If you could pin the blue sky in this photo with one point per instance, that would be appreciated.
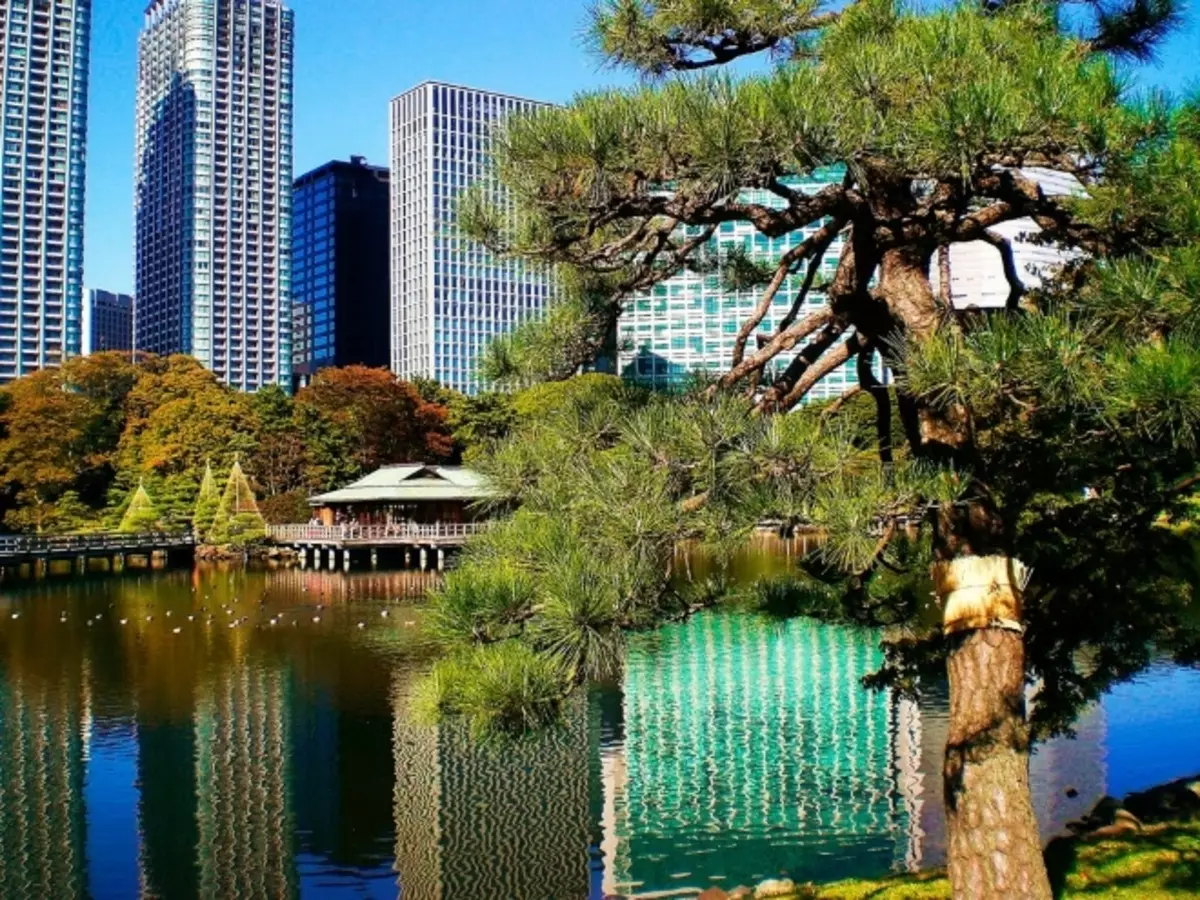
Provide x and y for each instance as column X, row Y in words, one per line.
column 352, row 56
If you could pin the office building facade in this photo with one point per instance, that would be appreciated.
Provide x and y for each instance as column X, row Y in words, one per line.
column 340, row 308
column 44, row 48
column 450, row 297
column 214, row 186
column 110, row 322
column 686, row 326
column 976, row 271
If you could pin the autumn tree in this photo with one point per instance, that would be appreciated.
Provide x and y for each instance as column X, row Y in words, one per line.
column 1076, row 408
column 356, row 419
column 60, row 430
column 180, row 416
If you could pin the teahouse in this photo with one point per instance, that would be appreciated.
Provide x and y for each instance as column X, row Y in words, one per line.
column 405, row 494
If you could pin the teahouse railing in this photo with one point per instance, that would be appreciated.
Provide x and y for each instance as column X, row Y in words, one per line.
column 406, row 532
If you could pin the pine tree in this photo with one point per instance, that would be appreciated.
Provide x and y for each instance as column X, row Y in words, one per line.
column 237, row 521
column 207, row 502
column 140, row 515
column 1046, row 436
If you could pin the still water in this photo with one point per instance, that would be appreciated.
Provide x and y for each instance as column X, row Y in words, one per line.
column 222, row 733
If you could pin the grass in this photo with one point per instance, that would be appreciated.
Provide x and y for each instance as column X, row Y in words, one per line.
column 1162, row 862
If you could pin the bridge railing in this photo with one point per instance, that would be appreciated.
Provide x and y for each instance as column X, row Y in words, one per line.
column 382, row 534
column 40, row 545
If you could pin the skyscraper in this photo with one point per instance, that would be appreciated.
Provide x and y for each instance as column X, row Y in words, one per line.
column 449, row 295
column 110, row 321
column 44, row 48
column 340, row 267
column 214, row 186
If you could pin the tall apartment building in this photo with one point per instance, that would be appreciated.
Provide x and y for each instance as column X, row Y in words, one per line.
column 449, row 295
column 687, row 324
column 110, row 321
column 214, row 186
column 341, row 300
column 44, row 48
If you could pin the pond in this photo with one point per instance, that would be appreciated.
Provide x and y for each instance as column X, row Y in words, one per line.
column 222, row 733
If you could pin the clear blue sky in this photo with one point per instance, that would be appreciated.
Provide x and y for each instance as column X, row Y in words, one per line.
column 352, row 57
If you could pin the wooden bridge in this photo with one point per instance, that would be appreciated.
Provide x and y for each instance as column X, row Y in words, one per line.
column 39, row 551
column 419, row 543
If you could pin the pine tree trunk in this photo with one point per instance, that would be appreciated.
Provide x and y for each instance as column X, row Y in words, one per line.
column 994, row 849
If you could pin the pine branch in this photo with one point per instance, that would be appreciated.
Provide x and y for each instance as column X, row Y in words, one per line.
column 812, row 248
column 832, row 360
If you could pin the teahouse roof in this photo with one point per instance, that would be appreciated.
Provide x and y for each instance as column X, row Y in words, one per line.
column 410, row 484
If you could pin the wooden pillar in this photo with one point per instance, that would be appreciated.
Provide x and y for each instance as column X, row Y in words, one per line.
column 441, row 559
column 424, row 559
column 118, row 562
column 41, row 567
column 303, row 557
column 374, row 558
column 331, row 558
column 81, row 564
column 346, row 559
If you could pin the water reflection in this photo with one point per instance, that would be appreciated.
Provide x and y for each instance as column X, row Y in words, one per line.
column 750, row 750
column 492, row 821
column 224, row 733
column 42, row 754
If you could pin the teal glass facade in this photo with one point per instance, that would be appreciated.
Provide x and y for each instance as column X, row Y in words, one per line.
column 687, row 325
column 44, row 49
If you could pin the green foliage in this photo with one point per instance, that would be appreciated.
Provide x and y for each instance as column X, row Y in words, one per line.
column 481, row 603
column 286, row 509
column 479, row 421
column 140, row 514
column 498, row 688
column 237, row 522
column 207, row 500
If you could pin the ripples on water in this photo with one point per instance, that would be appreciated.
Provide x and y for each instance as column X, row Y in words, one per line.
column 260, row 753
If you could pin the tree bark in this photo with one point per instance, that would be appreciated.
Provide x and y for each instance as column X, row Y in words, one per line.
column 994, row 848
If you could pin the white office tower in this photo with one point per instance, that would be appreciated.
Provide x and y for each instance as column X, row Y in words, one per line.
column 976, row 271
column 44, row 47
column 214, row 186
column 450, row 297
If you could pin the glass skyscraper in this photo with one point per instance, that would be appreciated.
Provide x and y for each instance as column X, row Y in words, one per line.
column 214, row 186
column 110, row 321
column 340, row 290
column 44, row 46
column 687, row 324
column 449, row 295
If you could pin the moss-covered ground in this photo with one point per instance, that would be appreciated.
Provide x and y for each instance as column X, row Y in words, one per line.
column 1161, row 862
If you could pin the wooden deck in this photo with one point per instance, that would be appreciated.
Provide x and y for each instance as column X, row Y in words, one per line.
column 366, row 537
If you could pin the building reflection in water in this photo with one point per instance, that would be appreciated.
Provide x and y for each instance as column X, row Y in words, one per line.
column 43, row 729
column 478, row 820
column 750, row 750
column 243, row 786
column 269, row 761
